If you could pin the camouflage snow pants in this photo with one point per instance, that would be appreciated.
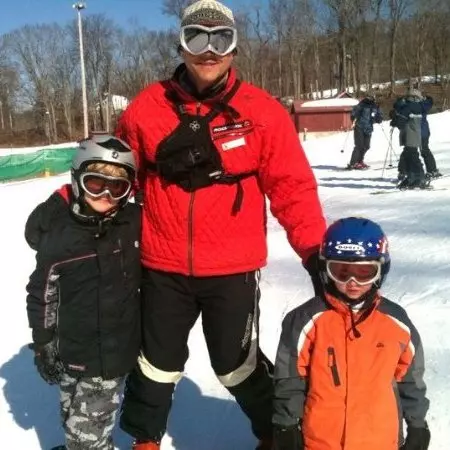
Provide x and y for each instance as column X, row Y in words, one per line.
column 88, row 411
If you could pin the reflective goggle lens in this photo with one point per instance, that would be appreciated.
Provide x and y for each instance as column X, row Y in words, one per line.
column 197, row 39
column 97, row 184
column 365, row 272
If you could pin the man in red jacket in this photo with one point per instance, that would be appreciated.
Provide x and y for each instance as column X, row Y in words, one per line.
column 209, row 148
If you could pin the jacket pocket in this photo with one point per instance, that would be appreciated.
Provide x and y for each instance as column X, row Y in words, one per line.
column 333, row 366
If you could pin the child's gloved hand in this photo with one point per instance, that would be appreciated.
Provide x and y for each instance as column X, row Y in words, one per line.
column 48, row 363
column 312, row 267
column 417, row 439
column 289, row 438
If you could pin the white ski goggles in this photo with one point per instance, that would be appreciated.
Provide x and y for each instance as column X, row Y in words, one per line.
column 361, row 272
column 198, row 39
column 97, row 184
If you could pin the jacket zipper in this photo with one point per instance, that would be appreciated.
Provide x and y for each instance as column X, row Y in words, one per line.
column 121, row 255
column 99, row 337
column 191, row 234
column 333, row 366
column 191, row 221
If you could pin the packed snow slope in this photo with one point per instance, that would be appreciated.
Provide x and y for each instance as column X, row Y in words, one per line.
column 204, row 417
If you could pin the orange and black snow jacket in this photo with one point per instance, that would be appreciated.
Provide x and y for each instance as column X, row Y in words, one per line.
column 194, row 233
column 348, row 392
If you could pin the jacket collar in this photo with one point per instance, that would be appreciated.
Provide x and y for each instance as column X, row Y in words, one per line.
column 353, row 318
column 187, row 92
column 344, row 308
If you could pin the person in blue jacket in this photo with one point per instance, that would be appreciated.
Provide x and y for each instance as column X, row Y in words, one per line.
column 410, row 116
column 363, row 116
column 428, row 158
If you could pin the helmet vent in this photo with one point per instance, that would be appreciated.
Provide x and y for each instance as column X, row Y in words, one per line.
column 113, row 144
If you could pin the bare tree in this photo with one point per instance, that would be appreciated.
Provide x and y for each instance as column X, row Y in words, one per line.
column 397, row 9
column 9, row 84
column 100, row 39
column 35, row 49
column 344, row 14
column 134, row 66
column 375, row 6
column 175, row 7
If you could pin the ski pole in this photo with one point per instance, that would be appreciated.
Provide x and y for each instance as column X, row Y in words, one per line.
column 345, row 140
column 390, row 146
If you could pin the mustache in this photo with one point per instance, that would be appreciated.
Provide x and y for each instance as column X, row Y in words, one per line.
column 208, row 56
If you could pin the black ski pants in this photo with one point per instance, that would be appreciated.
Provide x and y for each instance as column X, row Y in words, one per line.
column 410, row 165
column 171, row 304
column 428, row 158
column 362, row 144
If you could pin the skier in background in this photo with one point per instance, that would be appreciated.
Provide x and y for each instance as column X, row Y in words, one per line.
column 363, row 116
column 414, row 103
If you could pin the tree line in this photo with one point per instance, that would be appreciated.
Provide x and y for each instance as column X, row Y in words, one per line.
column 289, row 47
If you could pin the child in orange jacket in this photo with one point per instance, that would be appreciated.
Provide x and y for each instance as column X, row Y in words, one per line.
column 350, row 363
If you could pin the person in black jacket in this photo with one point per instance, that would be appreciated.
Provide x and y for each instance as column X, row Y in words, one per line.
column 83, row 299
column 414, row 101
column 363, row 116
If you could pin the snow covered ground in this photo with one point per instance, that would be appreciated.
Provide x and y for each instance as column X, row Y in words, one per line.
column 204, row 417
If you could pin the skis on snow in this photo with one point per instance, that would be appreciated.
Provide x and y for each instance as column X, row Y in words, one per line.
column 397, row 190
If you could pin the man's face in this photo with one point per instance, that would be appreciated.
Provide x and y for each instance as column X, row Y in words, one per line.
column 206, row 69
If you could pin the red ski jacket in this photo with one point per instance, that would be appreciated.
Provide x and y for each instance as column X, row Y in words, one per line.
column 195, row 233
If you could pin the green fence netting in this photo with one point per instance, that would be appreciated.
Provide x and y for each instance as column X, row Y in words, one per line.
column 36, row 164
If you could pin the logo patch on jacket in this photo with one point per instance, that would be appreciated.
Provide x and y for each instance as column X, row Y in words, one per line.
column 232, row 129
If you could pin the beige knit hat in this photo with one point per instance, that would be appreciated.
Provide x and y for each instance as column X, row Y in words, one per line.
column 208, row 12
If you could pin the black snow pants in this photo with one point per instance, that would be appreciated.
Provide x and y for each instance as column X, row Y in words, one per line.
column 171, row 304
column 410, row 166
column 362, row 144
column 428, row 158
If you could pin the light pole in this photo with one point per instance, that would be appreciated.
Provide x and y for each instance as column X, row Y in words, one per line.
column 79, row 6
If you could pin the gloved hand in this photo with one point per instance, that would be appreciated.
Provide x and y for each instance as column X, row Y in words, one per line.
column 312, row 267
column 48, row 363
column 289, row 438
column 417, row 439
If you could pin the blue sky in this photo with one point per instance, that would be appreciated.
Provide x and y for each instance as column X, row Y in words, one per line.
column 16, row 13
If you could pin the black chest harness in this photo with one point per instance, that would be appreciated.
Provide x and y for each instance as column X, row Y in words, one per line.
column 189, row 158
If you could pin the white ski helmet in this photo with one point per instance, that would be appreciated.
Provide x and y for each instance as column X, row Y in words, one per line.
column 101, row 149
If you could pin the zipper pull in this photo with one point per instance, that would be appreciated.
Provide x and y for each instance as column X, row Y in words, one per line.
column 333, row 366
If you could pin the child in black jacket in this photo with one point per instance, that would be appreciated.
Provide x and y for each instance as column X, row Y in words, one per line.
column 83, row 297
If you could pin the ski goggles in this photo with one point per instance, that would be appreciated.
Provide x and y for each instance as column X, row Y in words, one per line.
column 197, row 39
column 361, row 272
column 97, row 184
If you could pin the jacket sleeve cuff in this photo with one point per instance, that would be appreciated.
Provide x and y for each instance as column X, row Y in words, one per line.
column 416, row 423
column 307, row 253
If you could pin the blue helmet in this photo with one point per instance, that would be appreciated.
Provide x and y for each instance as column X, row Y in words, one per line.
column 356, row 239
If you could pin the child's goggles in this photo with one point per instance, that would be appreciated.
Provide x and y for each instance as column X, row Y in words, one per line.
column 362, row 272
column 197, row 39
column 97, row 184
